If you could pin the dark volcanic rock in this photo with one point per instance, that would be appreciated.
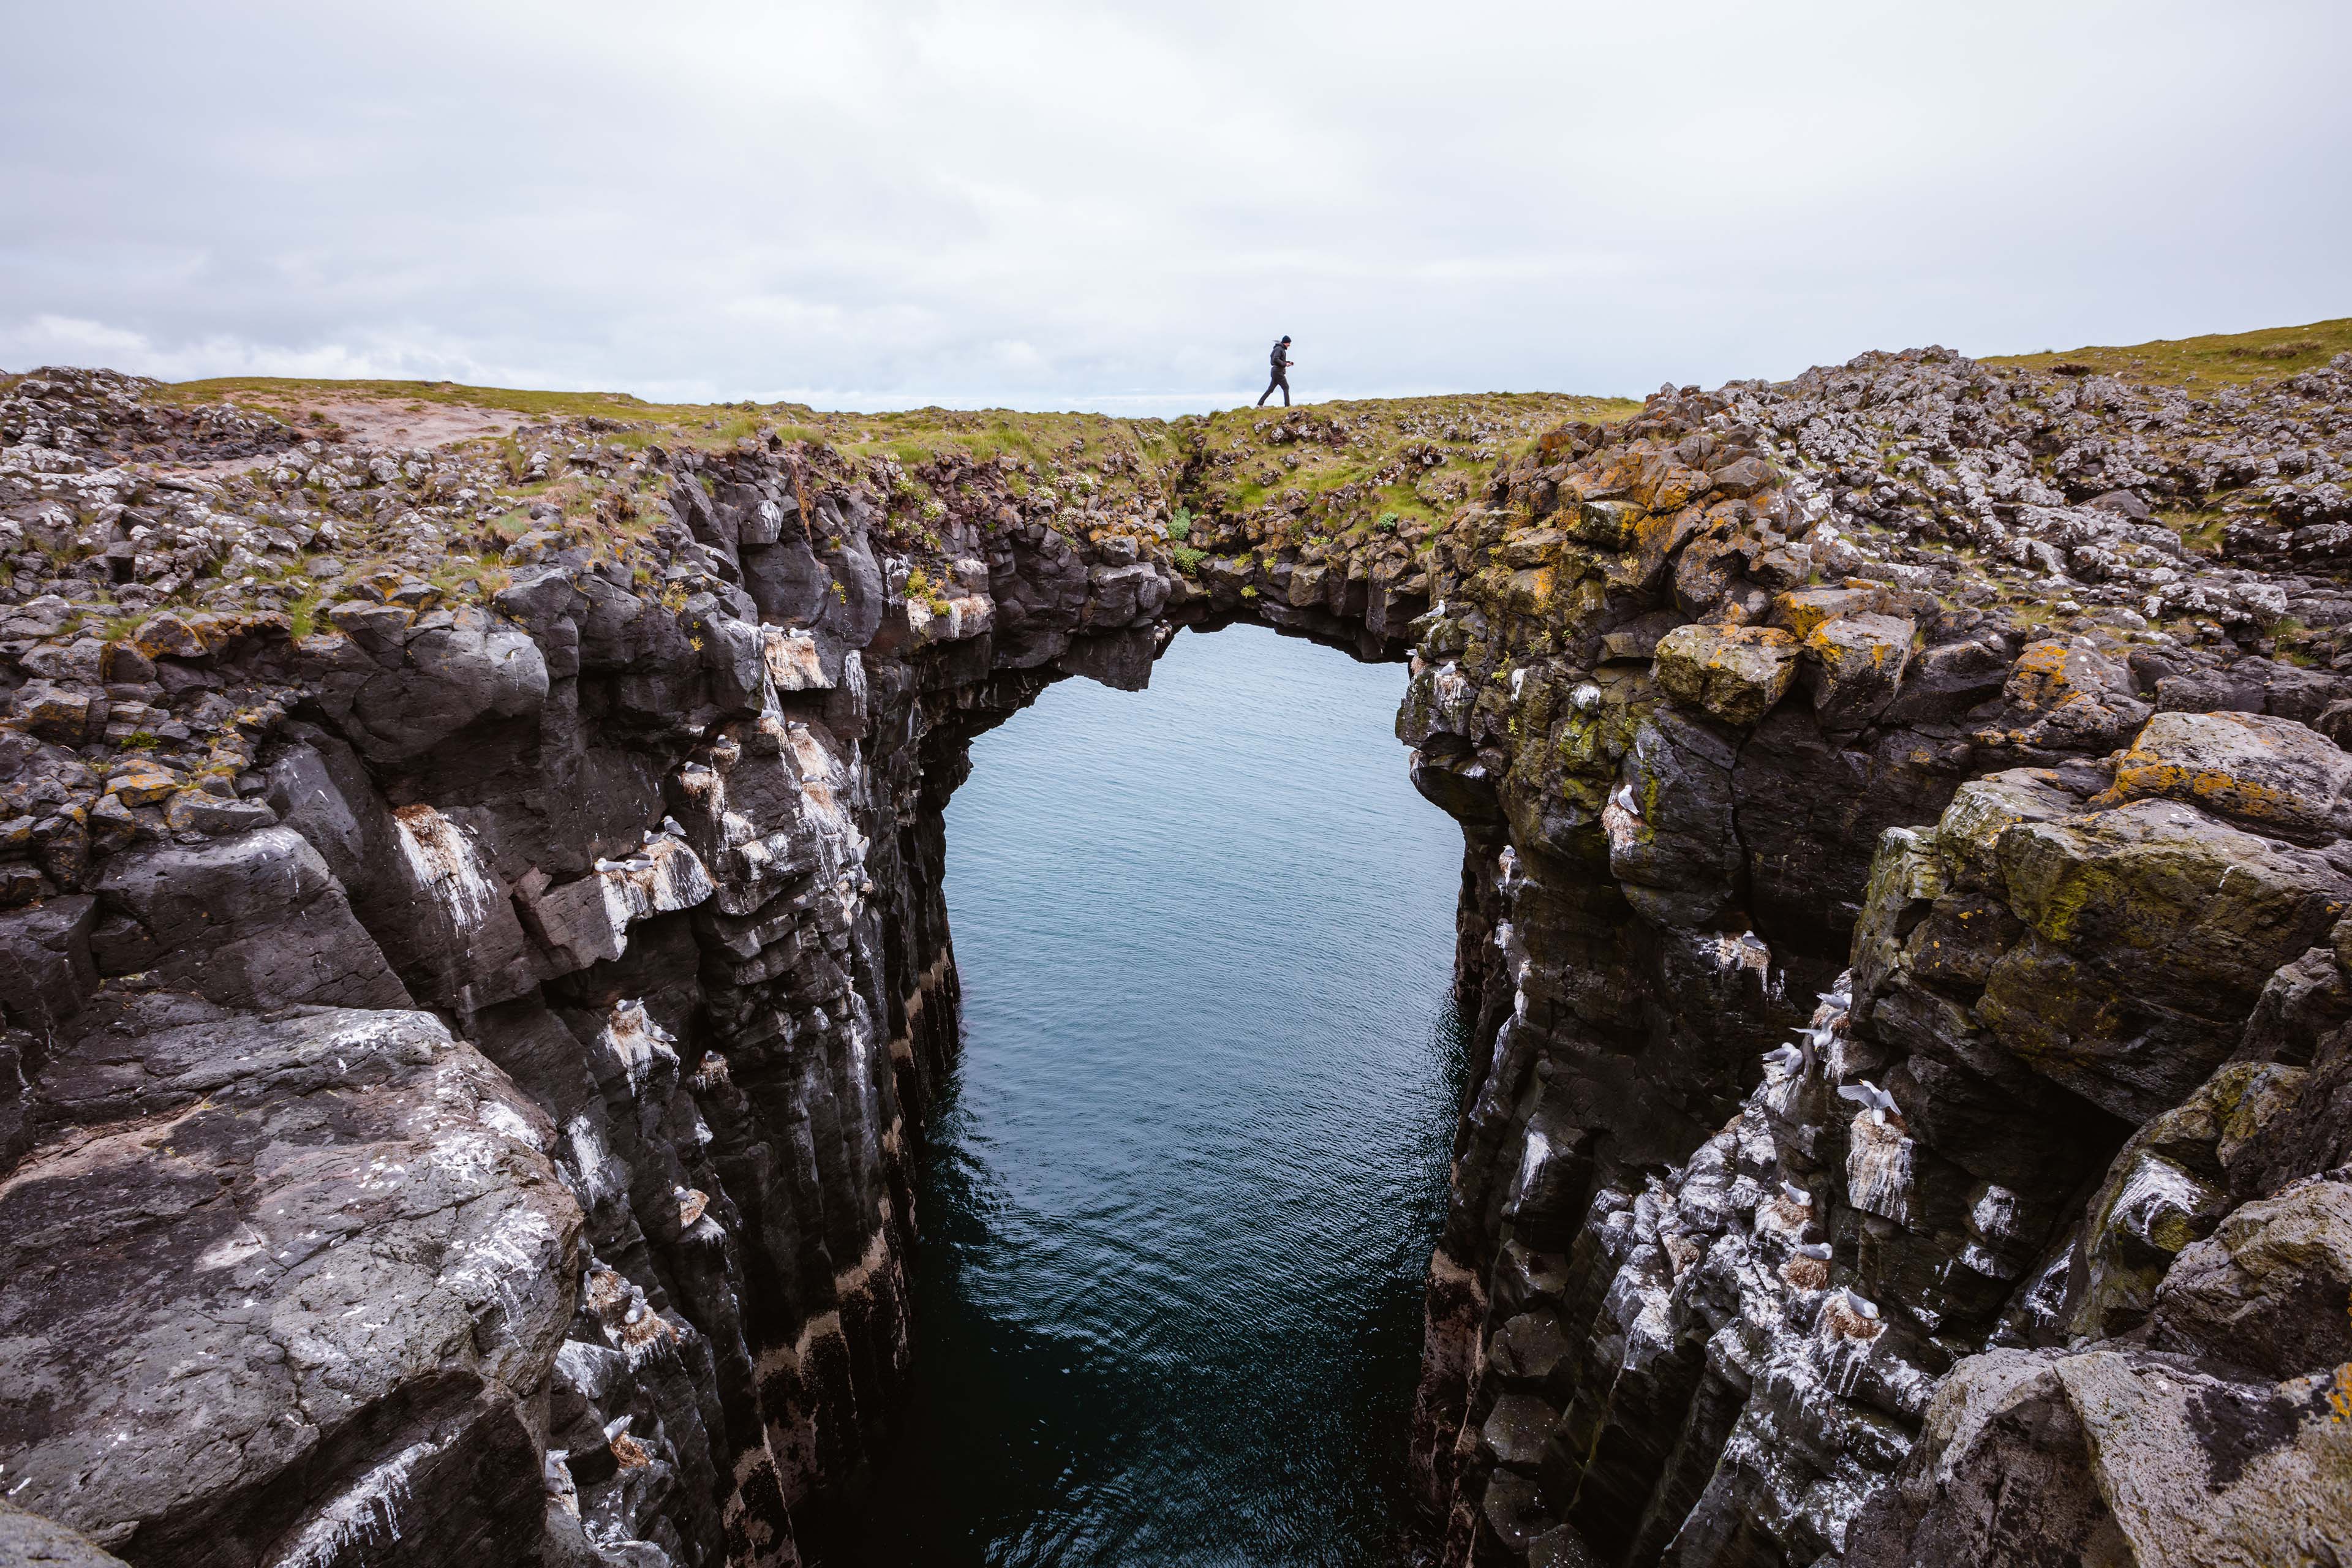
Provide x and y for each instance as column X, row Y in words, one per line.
column 277, row 1283
column 471, row 1024
column 2066, row 890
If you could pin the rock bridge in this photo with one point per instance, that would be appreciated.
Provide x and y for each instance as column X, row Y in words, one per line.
column 469, row 1034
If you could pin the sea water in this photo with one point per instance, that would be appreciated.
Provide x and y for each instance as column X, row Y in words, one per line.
column 1178, row 1200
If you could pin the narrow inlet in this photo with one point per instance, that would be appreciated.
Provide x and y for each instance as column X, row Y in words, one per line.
column 1180, row 1197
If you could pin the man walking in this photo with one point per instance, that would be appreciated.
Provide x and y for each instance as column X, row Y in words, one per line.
column 1281, row 362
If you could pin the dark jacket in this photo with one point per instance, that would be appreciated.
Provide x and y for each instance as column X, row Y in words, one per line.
column 1280, row 359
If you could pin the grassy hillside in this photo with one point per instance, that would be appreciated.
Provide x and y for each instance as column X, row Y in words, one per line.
column 277, row 393
column 2199, row 364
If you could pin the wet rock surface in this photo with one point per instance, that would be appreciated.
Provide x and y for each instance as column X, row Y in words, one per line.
column 475, row 964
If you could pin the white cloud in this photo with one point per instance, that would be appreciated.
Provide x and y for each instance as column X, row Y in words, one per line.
column 1057, row 203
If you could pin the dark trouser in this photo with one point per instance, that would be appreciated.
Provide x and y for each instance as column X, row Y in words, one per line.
column 1282, row 380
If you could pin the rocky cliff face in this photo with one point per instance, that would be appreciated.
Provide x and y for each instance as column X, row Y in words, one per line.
column 1903, row 911
column 475, row 963
column 467, row 1047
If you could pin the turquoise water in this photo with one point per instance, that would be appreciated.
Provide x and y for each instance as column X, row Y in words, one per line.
column 1180, row 1198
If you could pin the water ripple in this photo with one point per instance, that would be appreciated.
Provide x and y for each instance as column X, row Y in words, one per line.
column 1185, row 1180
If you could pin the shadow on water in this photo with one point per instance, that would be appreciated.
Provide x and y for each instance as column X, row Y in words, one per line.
column 1178, row 1197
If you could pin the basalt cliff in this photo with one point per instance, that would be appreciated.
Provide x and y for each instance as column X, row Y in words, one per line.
column 475, row 963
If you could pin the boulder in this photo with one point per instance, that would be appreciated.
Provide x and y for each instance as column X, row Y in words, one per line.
column 293, row 1278
column 2272, row 775
column 1607, row 523
column 400, row 690
column 28, row 1540
column 2000, row 1477
column 46, row 970
column 1736, row 673
column 143, row 783
column 1671, row 844
column 66, row 715
column 252, row 922
column 2114, row 1456
column 587, row 921
column 2198, row 1468
column 1515, row 1431
column 215, row 817
column 1801, row 610
column 2152, row 929
column 2064, row 694
column 1859, row 661
column 2267, row 1290
column 2167, row 1189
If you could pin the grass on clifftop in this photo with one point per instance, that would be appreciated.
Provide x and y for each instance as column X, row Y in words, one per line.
column 1411, row 458
column 2200, row 364
column 910, row 436
column 1374, row 449
column 263, row 392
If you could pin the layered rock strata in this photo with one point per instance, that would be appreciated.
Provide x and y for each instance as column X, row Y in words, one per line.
column 475, row 963
column 467, row 1054
column 1908, row 983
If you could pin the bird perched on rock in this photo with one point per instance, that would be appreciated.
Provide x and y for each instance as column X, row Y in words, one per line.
column 1870, row 1097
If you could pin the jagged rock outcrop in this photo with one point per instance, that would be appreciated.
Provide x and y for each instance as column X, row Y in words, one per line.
column 1849, row 687
column 475, row 964
column 470, row 1031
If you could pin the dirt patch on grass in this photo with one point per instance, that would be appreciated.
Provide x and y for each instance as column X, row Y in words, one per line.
column 393, row 422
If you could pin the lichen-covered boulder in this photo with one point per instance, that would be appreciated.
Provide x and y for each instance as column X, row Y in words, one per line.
column 2199, row 1467
column 2063, row 694
column 1999, row 1478
column 1800, row 610
column 1734, row 673
column 2272, row 775
column 2116, row 1456
column 1859, row 662
column 2151, row 930
column 2167, row 1189
column 1671, row 844
column 2270, row 1288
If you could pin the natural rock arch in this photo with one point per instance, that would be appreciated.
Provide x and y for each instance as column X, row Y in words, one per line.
column 601, row 914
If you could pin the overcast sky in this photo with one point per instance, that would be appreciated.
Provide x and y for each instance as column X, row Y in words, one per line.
column 871, row 203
